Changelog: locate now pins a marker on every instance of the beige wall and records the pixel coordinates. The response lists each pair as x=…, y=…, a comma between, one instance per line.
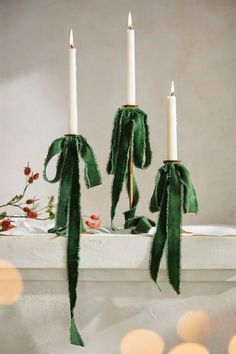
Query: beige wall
x=189, y=41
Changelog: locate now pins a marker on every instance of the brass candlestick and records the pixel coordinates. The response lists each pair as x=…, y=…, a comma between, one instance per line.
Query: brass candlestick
x=173, y=161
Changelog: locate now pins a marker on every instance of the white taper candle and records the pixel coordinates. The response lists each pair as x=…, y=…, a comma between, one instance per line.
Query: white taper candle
x=171, y=126
x=73, y=114
x=130, y=83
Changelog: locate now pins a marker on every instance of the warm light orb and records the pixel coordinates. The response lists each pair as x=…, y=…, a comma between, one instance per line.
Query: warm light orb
x=193, y=326
x=11, y=285
x=232, y=345
x=142, y=341
x=71, y=39
x=130, y=24
x=172, y=89
x=189, y=348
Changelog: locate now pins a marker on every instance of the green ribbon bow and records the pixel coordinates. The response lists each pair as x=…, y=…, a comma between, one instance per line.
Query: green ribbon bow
x=130, y=132
x=173, y=194
x=68, y=215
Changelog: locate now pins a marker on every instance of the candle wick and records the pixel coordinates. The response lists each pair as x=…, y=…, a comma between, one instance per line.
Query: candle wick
x=172, y=93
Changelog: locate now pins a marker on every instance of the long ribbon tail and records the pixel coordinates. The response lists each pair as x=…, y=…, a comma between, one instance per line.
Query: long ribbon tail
x=122, y=165
x=68, y=215
x=160, y=183
x=148, y=151
x=159, y=238
x=142, y=149
x=174, y=219
x=64, y=193
x=115, y=140
x=173, y=195
x=73, y=244
x=92, y=178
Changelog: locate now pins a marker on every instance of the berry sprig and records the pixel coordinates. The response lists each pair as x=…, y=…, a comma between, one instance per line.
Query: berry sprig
x=27, y=207
x=93, y=221
x=6, y=225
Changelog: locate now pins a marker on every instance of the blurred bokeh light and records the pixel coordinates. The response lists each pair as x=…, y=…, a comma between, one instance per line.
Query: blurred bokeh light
x=142, y=341
x=232, y=345
x=193, y=326
x=189, y=348
x=11, y=285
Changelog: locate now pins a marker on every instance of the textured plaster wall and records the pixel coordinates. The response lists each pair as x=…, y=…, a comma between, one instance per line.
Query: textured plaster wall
x=189, y=41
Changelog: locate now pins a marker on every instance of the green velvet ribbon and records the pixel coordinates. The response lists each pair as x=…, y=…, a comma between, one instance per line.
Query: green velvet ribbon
x=68, y=216
x=130, y=132
x=173, y=195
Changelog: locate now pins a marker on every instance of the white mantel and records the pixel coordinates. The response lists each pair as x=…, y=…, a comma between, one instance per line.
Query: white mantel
x=115, y=291
x=205, y=254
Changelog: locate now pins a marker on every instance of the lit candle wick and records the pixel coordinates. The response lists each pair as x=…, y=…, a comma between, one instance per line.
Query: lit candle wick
x=71, y=39
x=130, y=26
x=172, y=90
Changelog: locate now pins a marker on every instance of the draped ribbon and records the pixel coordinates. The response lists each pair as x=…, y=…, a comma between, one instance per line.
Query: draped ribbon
x=130, y=132
x=173, y=195
x=68, y=216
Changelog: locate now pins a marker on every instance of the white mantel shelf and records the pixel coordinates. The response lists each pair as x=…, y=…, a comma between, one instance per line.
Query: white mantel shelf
x=119, y=257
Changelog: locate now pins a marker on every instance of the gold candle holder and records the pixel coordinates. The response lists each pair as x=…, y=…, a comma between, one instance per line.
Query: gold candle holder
x=171, y=161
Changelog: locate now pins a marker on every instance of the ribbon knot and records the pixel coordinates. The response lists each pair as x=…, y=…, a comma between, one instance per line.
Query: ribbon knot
x=173, y=195
x=68, y=215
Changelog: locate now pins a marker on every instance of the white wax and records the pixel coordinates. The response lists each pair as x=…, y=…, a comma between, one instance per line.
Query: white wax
x=130, y=83
x=171, y=128
x=73, y=114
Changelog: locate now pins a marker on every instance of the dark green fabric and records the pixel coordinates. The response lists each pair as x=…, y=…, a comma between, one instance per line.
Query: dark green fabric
x=173, y=195
x=130, y=132
x=137, y=224
x=68, y=216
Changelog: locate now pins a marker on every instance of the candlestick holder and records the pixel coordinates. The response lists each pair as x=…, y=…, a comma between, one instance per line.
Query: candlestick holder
x=173, y=195
x=130, y=146
x=70, y=149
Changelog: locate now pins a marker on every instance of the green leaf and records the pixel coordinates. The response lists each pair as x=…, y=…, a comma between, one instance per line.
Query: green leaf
x=51, y=215
x=51, y=202
x=3, y=215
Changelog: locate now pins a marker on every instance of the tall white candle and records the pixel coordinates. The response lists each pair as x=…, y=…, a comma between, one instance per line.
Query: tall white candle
x=130, y=83
x=171, y=126
x=73, y=114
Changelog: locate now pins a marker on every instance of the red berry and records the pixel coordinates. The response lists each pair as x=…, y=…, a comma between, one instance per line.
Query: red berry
x=92, y=225
x=29, y=201
x=27, y=171
x=6, y=223
x=36, y=176
x=26, y=209
x=9, y=227
x=32, y=214
x=94, y=217
x=31, y=180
